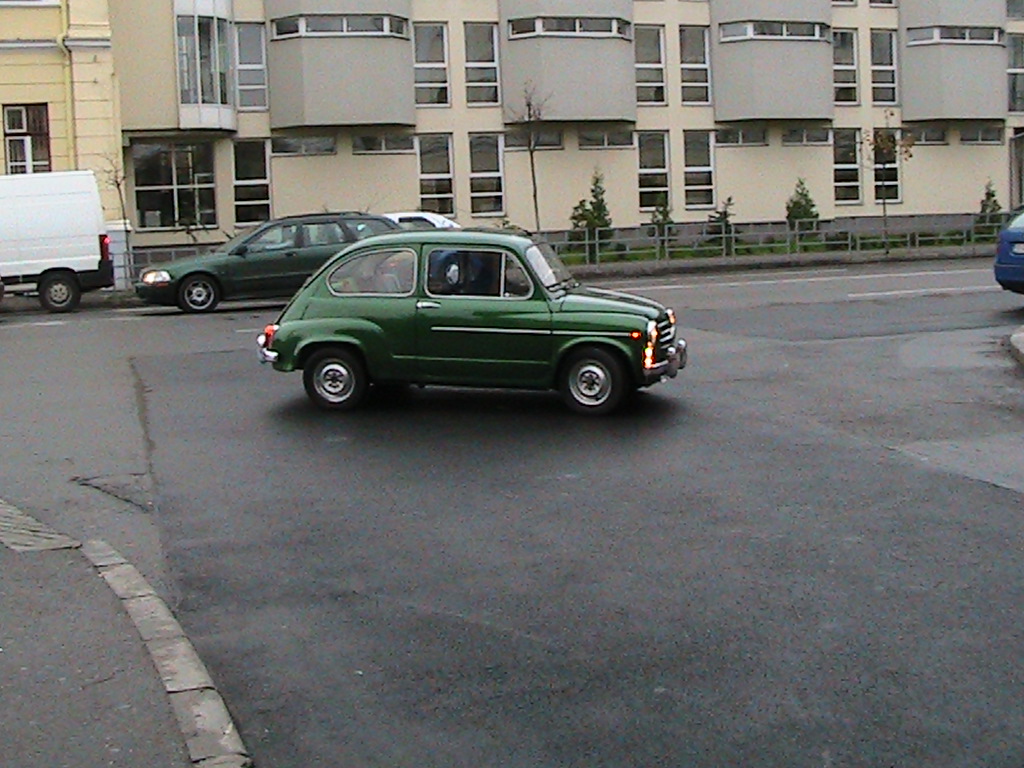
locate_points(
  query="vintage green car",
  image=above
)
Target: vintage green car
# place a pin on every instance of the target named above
(468, 308)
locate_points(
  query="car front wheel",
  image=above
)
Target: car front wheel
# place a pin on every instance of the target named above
(198, 293)
(593, 381)
(335, 379)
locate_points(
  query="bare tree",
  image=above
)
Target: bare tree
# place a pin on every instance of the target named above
(887, 146)
(529, 119)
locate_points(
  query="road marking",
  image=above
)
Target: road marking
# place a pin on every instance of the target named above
(923, 292)
(793, 280)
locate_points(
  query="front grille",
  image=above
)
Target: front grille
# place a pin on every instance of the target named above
(666, 336)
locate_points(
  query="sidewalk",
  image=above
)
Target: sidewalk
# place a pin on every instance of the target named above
(94, 670)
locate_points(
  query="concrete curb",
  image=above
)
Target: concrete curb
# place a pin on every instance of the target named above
(210, 734)
(1017, 345)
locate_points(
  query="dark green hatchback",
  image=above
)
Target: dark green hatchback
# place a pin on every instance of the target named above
(468, 308)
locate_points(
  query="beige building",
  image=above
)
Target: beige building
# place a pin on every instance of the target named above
(58, 93)
(233, 111)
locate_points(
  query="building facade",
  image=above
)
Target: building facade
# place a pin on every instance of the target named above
(58, 96)
(233, 111)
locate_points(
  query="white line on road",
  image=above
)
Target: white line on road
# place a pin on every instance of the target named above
(924, 292)
(820, 279)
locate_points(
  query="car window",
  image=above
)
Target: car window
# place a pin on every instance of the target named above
(517, 282)
(386, 272)
(324, 233)
(274, 238)
(362, 228)
(463, 272)
(414, 222)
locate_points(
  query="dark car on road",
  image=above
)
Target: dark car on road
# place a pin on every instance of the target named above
(271, 261)
(468, 308)
(1009, 263)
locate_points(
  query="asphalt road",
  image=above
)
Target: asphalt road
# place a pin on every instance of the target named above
(805, 551)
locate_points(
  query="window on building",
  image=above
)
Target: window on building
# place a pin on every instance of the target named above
(696, 66)
(26, 138)
(605, 139)
(653, 174)
(957, 35)
(844, 66)
(1016, 72)
(486, 181)
(745, 136)
(883, 3)
(386, 143)
(846, 165)
(437, 187)
(807, 135)
(204, 60)
(252, 182)
(1015, 9)
(699, 175)
(980, 133)
(800, 30)
(887, 164)
(883, 66)
(174, 185)
(251, 54)
(303, 145)
(482, 75)
(332, 25)
(925, 134)
(649, 52)
(431, 45)
(542, 139)
(588, 26)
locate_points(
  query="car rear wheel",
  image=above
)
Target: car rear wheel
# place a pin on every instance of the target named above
(593, 381)
(59, 292)
(335, 379)
(198, 293)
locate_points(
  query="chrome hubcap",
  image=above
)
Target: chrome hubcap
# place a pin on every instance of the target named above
(334, 381)
(590, 383)
(199, 295)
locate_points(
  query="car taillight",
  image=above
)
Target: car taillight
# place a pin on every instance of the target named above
(104, 247)
(266, 338)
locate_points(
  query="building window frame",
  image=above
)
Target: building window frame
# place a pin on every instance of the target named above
(251, 68)
(431, 57)
(884, 79)
(251, 177)
(651, 88)
(483, 75)
(179, 178)
(653, 170)
(695, 66)
(486, 174)
(1015, 71)
(569, 26)
(383, 144)
(436, 178)
(742, 136)
(846, 166)
(886, 165)
(768, 29)
(340, 25)
(204, 67)
(26, 138)
(845, 77)
(699, 170)
(605, 139)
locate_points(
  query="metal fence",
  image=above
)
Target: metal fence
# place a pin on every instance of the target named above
(963, 232)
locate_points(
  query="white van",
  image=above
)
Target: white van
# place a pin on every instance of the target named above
(53, 239)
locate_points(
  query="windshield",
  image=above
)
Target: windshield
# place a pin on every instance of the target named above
(549, 268)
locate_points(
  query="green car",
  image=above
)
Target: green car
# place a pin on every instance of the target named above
(271, 261)
(468, 308)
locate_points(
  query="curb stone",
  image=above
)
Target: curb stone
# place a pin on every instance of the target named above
(210, 734)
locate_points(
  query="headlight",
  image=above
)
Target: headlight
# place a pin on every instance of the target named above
(156, 277)
(671, 316)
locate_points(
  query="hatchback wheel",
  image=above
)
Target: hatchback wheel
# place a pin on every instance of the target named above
(198, 293)
(335, 379)
(593, 381)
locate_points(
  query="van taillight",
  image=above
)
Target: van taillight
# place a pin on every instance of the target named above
(104, 247)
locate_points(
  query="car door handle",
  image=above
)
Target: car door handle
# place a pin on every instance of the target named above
(427, 305)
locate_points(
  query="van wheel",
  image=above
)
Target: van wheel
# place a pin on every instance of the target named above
(335, 378)
(59, 293)
(593, 381)
(198, 293)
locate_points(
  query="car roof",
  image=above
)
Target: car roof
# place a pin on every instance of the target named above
(330, 215)
(477, 237)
